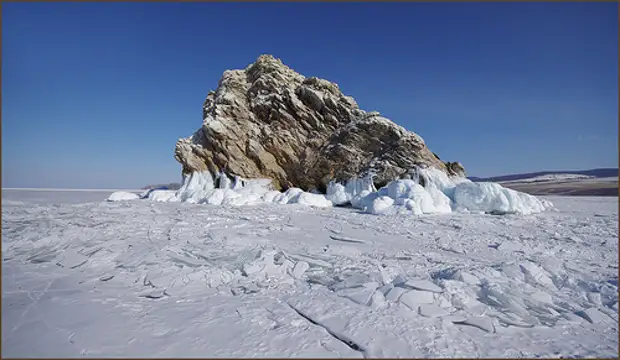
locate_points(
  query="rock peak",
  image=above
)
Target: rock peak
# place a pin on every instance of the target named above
(264, 58)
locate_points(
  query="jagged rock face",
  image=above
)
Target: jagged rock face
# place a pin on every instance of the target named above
(268, 121)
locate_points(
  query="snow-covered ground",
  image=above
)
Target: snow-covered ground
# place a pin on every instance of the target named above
(146, 278)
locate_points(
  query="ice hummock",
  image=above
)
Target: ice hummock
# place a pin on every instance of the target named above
(427, 191)
(438, 194)
(221, 189)
(122, 196)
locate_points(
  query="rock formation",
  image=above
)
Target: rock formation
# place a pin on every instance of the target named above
(267, 121)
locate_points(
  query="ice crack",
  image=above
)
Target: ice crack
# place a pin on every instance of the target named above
(340, 337)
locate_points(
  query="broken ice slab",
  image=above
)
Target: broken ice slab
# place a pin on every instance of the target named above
(423, 285)
(431, 310)
(535, 274)
(483, 323)
(385, 289)
(594, 316)
(466, 277)
(595, 298)
(43, 255)
(360, 295)
(153, 294)
(352, 281)
(518, 321)
(609, 312)
(414, 298)
(299, 269)
(395, 293)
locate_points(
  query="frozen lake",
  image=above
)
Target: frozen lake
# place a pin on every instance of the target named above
(84, 277)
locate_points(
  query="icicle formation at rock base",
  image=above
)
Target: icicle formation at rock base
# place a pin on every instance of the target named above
(440, 194)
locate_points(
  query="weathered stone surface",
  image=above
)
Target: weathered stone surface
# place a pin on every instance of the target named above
(267, 121)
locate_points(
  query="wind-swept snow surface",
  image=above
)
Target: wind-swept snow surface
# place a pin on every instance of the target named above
(158, 279)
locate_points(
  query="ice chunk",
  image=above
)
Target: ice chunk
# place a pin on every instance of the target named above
(270, 196)
(352, 281)
(336, 193)
(287, 196)
(431, 310)
(224, 182)
(424, 285)
(403, 188)
(377, 300)
(299, 269)
(493, 198)
(385, 289)
(466, 277)
(215, 277)
(353, 187)
(364, 199)
(515, 320)
(264, 267)
(594, 316)
(161, 195)
(483, 323)
(340, 194)
(395, 293)
(418, 200)
(196, 187)
(595, 298)
(399, 280)
(542, 297)
(455, 318)
(380, 205)
(123, 196)
(317, 200)
(360, 295)
(415, 298)
(535, 274)
(220, 196)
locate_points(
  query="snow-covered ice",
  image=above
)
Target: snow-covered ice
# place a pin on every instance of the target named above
(122, 196)
(171, 278)
(438, 194)
(431, 191)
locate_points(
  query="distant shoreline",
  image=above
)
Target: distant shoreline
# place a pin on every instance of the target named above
(576, 188)
(83, 190)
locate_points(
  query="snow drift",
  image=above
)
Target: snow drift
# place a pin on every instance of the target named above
(430, 191)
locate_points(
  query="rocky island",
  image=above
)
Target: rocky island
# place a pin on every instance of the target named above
(268, 121)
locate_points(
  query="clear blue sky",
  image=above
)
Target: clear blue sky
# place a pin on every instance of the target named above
(95, 95)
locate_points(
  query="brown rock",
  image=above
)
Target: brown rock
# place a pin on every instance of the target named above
(268, 121)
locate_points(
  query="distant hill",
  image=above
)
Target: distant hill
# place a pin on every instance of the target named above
(170, 186)
(597, 173)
